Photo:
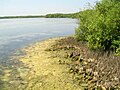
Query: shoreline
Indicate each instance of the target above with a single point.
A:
(43, 69)
(63, 64)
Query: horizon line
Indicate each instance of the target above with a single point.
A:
(36, 14)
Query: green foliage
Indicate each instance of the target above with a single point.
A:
(100, 27)
(59, 15)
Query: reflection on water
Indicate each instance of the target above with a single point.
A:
(17, 33)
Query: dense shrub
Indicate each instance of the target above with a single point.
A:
(100, 27)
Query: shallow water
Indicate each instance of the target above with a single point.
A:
(18, 33)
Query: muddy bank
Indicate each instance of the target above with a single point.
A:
(43, 69)
(64, 64)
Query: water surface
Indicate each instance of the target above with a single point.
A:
(18, 33)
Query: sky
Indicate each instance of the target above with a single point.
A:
(42, 7)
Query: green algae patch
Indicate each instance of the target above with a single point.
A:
(45, 69)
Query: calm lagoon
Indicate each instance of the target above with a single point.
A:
(18, 33)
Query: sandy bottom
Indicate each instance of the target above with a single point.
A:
(44, 73)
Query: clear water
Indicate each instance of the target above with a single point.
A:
(17, 33)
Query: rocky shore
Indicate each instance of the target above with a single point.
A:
(92, 70)
(65, 64)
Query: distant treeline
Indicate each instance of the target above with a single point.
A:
(9, 17)
(57, 15)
